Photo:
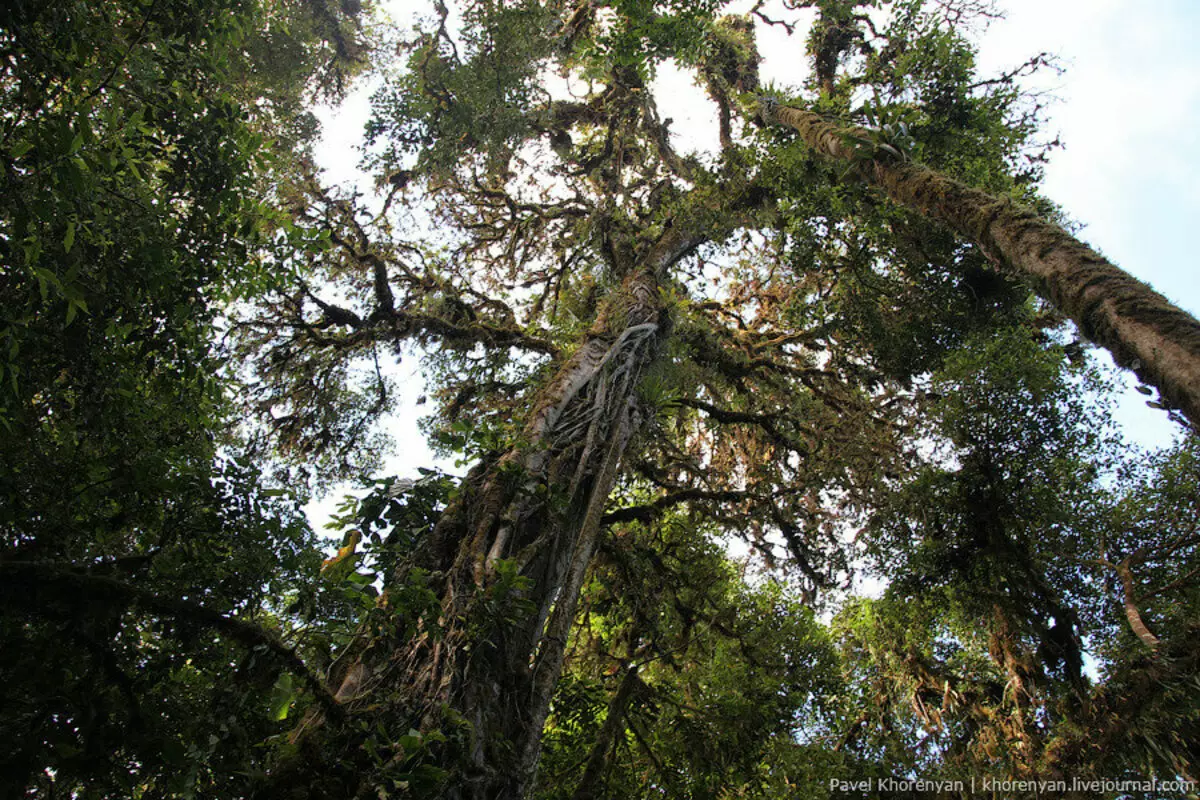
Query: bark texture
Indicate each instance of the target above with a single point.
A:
(540, 505)
(1143, 330)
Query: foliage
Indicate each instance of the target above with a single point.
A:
(725, 673)
(644, 358)
(135, 162)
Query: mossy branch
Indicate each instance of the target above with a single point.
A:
(1143, 330)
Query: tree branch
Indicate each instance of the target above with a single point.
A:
(37, 585)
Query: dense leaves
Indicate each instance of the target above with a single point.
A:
(695, 395)
(139, 550)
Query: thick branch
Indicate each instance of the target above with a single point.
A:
(765, 421)
(1132, 614)
(649, 512)
(1142, 329)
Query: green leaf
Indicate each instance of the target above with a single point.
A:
(411, 741)
(282, 695)
(69, 237)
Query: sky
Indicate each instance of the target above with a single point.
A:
(1127, 109)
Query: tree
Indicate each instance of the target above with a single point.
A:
(976, 651)
(1142, 329)
(568, 273)
(710, 676)
(639, 353)
(142, 551)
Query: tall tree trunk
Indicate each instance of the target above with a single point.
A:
(1142, 329)
(538, 505)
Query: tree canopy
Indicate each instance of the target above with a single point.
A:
(692, 397)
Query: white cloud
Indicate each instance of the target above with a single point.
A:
(693, 115)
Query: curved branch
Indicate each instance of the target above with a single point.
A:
(26, 584)
(648, 512)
